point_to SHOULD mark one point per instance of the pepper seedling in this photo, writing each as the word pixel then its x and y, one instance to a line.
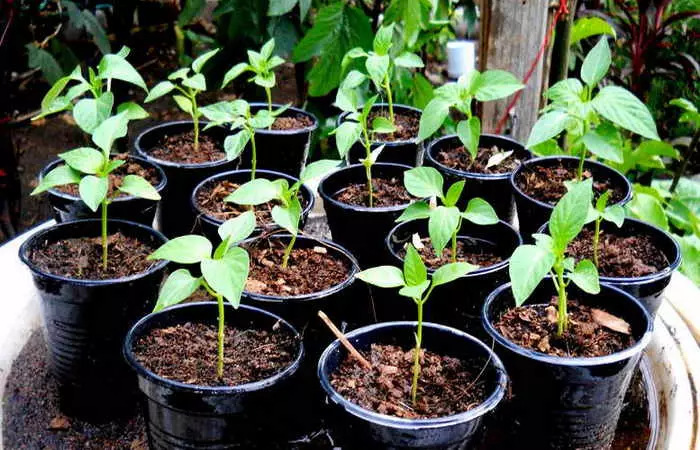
pixel 90 169
pixel 530 264
pixel 262 65
pixel 613 213
pixel 445 220
pixel 188 86
pixel 238 116
pixel 224 272
pixel 414 283
pixel 482 86
pixel 288 213
pixel 380 64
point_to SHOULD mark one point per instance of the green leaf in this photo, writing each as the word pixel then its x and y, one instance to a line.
pixel 469 132
pixel 423 182
pixel 133 111
pixel 84 159
pixel 585 276
pixel 50 69
pixel 178 287
pixel 529 264
pixel 93 190
pixel 159 90
pixel 196 82
pixel 188 249
pixel 570 213
pixel 382 125
pixel 266 80
pixel 224 281
pixel 615 214
pixel 413 15
pixel 109 131
pixel 139 187
pixel 383 39
pixel 89 113
pixel 235 144
pixel 221 113
pixel 442 225
pixel 434 115
pixel 622 108
pixel 255 192
pixel 179 74
pixel 658 148
pixel 602 201
pixel 318 169
pixel 452 271
pixel 690 251
pixel 496 84
pixel 408 60
pixel 414 292
pixel 589 26
pixel 118 68
pixel 453 193
pixel 648 209
pixel 603 145
pixel 238 228
pixel 377 67
pixel 48 102
pixel 565 92
pixel 417 210
pixel 234 72
pixel 414 271
pixel 191 10
pixel 262 119
pixel 549 125
pixel 99 36
pixel 549 147
pixel 59 176
pixel 596 63
pixel 288 218
pixel 184 104
pixel 280 7
pixel 480 212
pixel 198 63
pixel 383 276
pixel 353 79
pixel 346 135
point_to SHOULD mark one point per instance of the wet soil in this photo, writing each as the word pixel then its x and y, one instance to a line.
pixel 535 327
pixel 296 122
pixel 406 126
pixel 459 158
pixel 309 270
pixel 180 148
pixel 187 353
pixel 547 183
pixel 446 385
pixel 471 251
pixel 619 256
pixel 385 192
pixel 81 258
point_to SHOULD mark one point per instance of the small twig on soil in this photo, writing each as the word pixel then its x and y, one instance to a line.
pixel 343 340
pixel 483 369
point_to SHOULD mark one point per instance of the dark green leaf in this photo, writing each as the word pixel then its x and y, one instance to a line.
pixel 99 36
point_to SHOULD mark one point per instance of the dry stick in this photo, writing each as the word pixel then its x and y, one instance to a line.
pixel 343 340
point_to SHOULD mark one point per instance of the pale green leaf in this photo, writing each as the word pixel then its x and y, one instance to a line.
pixel 585 276
pixel 414 271
pixel 480 212
pixel 383 276
pixel 177 287
pixel 139 187
pixel 57 177
pixel 84 159
pixel 621 107
pixel 188 249
pixel 93 190
pixel 423 182
pixel 529 264
pixel 159 90
pixel 442 225
pixel 452 271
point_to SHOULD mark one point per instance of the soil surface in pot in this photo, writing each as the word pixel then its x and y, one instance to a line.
pixel 309 270
pixel 187 353
pixel 459 158
pixel 471 251
pixel 547 183
pixel 385 192
pixel 406 126
pixel 81 258
pixel 591 332
pixel 116 177
pixel 619 256
pixel 179 148
pixel 211 199
pixel 446 385
pixel 295 122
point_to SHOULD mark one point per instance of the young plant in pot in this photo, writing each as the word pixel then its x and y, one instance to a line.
pixel 186 153
pixel 483 161
pixel 474 235
pixel 91 102
pixel 569 343
pixel 590 116
pixel 399 123
pixel 94 279
pixel 291 129
pixel 403 397
pixel 367 196
pixel 209 370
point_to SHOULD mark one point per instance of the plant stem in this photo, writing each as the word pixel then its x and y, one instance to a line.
pixel 368 172
pixel 288 251
pixel 268 92
pixel 104 233
pixel 596 239
pixel 562 317
pixel 686 160
pixel 254 154
pixel 579 172
pixel 453 256
pixel 367 163
pixel 416 353
pixel 220 339
pixel 195 121
pixel 389 99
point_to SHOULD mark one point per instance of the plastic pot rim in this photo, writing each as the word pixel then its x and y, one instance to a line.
pixel 379 209
pixel 355 268
pixel 396 422
pixel 567 361
pixel 475 273
pixel 122 198
pixel 308 129
pixel 32 241
pixel 131 360
pixel 415 140
pixel 587 162
pixel 214 221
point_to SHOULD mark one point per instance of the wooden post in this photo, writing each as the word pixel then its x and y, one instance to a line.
pixel 512 32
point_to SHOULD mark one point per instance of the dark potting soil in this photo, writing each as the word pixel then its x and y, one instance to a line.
pixel 81 258
pixel 32 418
pixel 459 158
pixel 406 126
pixel 309 270
pixel 547 183
pixel 446 385
pixel 179 148
pixel 471 251
pixel 619 256
pixel 296 122
pixel 535 327
pixel 187 353
pixel 116 177
pixel 385 192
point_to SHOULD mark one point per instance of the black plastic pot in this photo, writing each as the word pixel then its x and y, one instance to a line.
pixel 85 321
pixel 409 152
pixel 532 213
pixel 457 304
pixel 176 215
pixel 281 150
pixel 70 207
pixel 570 403
pixel 494 188
pixel 186 416
pixel 648 289
pixel 360 229
pixel 363 428
pixel 209 225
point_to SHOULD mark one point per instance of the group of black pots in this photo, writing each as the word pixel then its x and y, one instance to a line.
pixel 92 324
